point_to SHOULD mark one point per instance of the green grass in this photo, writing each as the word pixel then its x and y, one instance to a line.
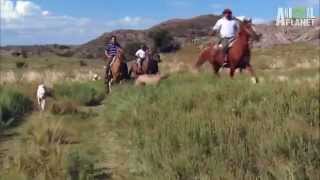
pixel 13 105
pixel 205 128
pixel 88 94
pixel 48 62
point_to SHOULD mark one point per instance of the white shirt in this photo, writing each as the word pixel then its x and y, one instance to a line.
pixel 141 54
pixel 227 28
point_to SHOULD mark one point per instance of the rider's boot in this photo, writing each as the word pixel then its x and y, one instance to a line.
pixel 225 62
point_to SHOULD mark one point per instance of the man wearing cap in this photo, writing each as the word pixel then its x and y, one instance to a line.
pixel 227 27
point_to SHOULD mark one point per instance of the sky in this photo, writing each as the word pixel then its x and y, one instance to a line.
pixel 26 22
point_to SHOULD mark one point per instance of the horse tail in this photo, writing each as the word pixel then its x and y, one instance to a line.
pixel 127 73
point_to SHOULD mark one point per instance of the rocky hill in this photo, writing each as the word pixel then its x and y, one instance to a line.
pixel 181 29
pixel 184 30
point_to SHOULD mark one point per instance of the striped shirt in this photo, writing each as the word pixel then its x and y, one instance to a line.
pixel 111 49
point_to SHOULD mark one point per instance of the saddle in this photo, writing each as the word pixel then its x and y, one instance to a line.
pixel 220 45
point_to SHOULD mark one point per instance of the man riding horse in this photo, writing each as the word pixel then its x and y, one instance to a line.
pixel 141 55
pixel 110 52
pixel 227 27
pixel 240 32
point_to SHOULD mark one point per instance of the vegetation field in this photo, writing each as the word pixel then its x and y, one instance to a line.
pixel 192 126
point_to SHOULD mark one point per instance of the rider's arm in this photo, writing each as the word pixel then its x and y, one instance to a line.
pixel 106 50
pixel 137 53
pixel 216 28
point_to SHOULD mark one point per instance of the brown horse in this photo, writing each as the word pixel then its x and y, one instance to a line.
pixel 238 55
pixel 149 66
pixel 118 70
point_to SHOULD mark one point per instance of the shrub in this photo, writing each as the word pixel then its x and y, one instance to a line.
pixel 83 63
pixel 88 94
pixel 13 105
pixel 21 64
pixel 130 50
pixel 163 41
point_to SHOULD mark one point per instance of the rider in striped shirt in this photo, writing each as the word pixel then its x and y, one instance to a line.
pixel 111 51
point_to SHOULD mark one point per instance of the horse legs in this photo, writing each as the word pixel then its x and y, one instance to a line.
pixel 216 67
pixel 109 85
pixel 254 77
pixel 232 71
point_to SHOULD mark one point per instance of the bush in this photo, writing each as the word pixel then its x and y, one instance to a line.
pixel 13 105
pixel 21 64
pixel 82 63
pixel 130 50
pixel 163 41
pixel 88 94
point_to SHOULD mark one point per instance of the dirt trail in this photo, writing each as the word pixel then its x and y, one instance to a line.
pixel 116 154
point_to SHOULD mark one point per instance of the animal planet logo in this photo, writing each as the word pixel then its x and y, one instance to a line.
pixel 298 16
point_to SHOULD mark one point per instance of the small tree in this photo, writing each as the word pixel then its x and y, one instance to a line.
pixel 163 40
pixel 130 50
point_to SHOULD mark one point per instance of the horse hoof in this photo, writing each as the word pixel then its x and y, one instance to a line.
pixel 254 80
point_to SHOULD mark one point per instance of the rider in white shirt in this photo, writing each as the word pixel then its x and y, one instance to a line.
pixel 227 27
pixel 141 55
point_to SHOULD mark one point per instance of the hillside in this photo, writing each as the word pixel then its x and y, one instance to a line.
pixel 179 28
pixel 184 30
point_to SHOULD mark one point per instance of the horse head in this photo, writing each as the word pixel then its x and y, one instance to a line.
pixel 247 29
pixel 120 55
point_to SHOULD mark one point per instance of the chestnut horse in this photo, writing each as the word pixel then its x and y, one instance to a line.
pixel 149 66
pixel 118 70
pixel 238 55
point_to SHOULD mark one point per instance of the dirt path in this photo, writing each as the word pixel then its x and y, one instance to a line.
pixel 116 154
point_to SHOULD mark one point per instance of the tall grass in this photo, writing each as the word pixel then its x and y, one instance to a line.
pixel 45 154
pixel 13 104
pixel 203 128
pixel 84 93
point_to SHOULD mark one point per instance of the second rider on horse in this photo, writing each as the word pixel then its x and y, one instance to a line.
pixel 227 27
pixel 141 55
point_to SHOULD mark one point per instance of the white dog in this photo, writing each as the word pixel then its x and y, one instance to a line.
pixel 41 96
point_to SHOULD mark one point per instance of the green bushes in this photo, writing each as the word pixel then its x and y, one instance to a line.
pixel 163 41
pixel 13 105
pixel 21 64
pixel 203 128
pixel 130 50
pixel 87 94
